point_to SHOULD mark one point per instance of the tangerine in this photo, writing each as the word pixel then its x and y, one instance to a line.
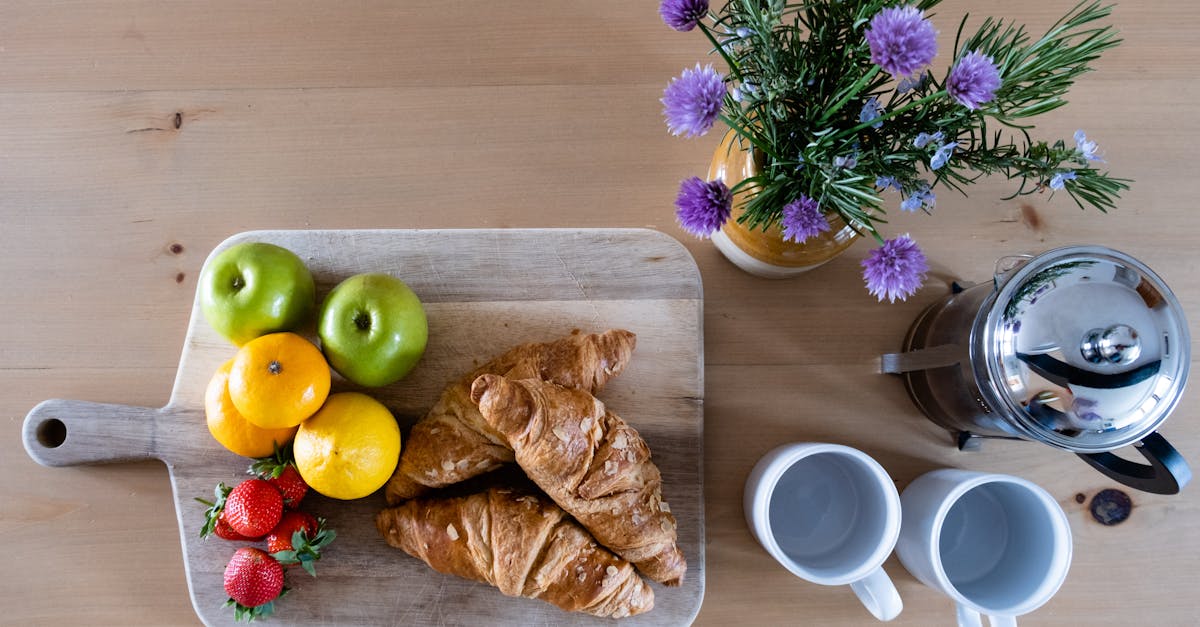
pixel 230 428
pixel 278 380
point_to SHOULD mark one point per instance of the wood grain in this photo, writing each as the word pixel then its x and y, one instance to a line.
pixel 341 115
pixel 484 291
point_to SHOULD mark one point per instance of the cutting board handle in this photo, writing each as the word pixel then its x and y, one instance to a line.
pixel 66 433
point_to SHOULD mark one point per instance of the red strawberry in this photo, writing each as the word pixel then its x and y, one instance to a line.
pixel 253 580
pixel 298 539
pixel 215 517
pixel 280 470
pixel 223 530
pixel 253 508
pixel 280 538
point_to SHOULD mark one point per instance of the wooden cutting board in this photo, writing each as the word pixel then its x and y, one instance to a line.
pixel 484 291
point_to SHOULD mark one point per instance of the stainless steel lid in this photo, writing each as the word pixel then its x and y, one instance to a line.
pixel 1085 347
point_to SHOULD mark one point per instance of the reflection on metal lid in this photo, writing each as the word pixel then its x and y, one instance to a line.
pixel 1081 338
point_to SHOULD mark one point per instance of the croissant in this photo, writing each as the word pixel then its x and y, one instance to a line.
pixel 592 463
pixel 453 443
pixel 520 543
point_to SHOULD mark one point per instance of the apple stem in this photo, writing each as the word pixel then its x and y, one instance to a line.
pixel 362 321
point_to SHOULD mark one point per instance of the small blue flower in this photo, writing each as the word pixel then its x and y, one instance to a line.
pixel 924 138
pixel 845 162
pixel 909 83
pixel 871 110
pixel 750 88
pixel 1058 180
pixel 1087 149
pixel 923 196
pixel 736 94
pixel 887 182
pixel 942 155
pixel 743 32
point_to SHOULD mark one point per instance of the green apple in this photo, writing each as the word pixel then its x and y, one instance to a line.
pixel 373 329
pixel 254 288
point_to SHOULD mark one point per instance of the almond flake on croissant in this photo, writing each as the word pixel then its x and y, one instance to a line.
pixel 453 443
pixel 520 543
pixel 592 463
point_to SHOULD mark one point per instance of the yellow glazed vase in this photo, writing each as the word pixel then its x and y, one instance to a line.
pixel 764 252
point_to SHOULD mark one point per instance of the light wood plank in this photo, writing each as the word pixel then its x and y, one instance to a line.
pixel 329 114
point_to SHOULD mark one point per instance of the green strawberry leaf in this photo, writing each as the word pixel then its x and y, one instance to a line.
pixel 241 613
pixel 307 550
pixel 272 466
pixel 213 513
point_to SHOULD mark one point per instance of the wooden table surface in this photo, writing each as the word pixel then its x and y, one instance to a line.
pixel 135 136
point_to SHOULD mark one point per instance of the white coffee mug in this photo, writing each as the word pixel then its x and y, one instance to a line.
pixel 997 545
pixel 829 514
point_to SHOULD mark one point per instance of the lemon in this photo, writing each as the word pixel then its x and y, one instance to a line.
pixel 349 448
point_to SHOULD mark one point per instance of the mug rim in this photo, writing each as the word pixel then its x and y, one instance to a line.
pixel 1049 586
pixel 783 458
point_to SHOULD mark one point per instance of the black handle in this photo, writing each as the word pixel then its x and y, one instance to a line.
pixel 1167 472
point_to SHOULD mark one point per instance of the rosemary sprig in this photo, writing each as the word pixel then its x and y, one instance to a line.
pixel 802 73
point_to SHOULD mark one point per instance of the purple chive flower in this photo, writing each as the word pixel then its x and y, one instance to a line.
pixel 683 15
pixel 1087 149
pixel 942 155
pixel 895 270
pixel 702 207
pixel 692 101
pixel 923 196
pixel 1058 180
pixel 973 81
pixel 802 219
pixel 871 110
pixel 923 139
pixel 902 41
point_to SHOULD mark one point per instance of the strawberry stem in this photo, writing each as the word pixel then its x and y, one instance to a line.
pixel 213 513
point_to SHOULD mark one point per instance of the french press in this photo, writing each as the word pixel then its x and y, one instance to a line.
pixel 1082 348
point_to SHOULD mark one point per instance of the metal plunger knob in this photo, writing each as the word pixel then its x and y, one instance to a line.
pixel 1118 344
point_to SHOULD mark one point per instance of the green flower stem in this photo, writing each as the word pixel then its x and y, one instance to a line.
pixel 721 51
pixel 850 93
pixel 891 114
pixel 742 132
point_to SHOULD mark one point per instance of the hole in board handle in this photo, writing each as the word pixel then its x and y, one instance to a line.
pixel 52 433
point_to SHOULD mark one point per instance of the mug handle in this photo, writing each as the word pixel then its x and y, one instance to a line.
pixel 878 594
pixel 968 617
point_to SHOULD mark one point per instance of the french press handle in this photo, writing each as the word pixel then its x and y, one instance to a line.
pixel 1166 473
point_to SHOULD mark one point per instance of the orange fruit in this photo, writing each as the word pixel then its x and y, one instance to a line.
pixel 350 448
pixel 278 380
pixel 232 429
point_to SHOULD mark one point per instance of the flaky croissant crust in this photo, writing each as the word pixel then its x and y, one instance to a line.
pixel 453 442
pixel 523 544
pixel 592 463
